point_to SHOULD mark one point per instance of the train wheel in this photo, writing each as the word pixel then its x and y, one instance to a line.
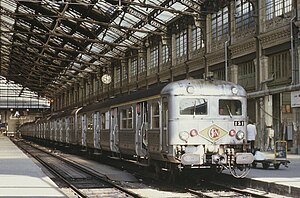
pixel 276 166
pixel 158 172
pixel 265 165
pixel 173 174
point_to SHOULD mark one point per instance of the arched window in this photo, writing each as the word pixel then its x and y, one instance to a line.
pixel 197 38
pixel 153 59
pixel 165 54
pixel 243 14
pixel 181 44
pixel 275 8
pixel 219 24
pixel 133 69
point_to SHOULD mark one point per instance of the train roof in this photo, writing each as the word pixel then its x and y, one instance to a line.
pixel 64 113
pixel 204 87
pixel 154 90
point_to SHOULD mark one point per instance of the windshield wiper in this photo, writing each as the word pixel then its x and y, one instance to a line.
pixel 229 111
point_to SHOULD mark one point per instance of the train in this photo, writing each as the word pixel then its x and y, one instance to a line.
pixel 186 124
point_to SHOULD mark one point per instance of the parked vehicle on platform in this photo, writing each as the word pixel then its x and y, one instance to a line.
pixel 188 124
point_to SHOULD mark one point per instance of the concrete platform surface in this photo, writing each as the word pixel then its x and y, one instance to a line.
pixel 284 181
pixel 20 176
pixel 285 176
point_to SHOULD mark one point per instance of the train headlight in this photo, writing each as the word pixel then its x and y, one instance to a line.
pixel 240 135
pixel 234 90
pixel 190 89
pixel 184 135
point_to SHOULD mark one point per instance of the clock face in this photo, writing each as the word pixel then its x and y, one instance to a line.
pixel 106 79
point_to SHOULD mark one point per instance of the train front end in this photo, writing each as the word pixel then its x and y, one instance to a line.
pixel 207 126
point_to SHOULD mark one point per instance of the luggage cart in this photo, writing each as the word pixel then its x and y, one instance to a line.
pixel 280 152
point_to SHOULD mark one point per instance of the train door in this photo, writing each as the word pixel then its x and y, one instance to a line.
pixel 61 128
pixel 165 129
pixel 96 126
pixel 68 130
pixel 77 127
pixel 45 129
pixel 78 130
pixel 141 136
pixel 114 131
pixel 56 129
pixel 84 129
pixel 51 130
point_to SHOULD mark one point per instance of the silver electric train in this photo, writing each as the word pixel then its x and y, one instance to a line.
pixel 188 124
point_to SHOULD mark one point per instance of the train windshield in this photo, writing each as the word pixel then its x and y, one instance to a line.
pixel 193 106
pixel 230 107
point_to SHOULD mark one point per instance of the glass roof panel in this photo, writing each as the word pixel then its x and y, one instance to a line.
pixel 25 9
pixel 132 19
pixel 95 48
pixel 126 20
pixel 8 5
pixel 105 7
pixel 148 27
pixel 140 34
pixel 53 5
pixel 86 57
pixel 166 16
pixel 78 35
pixel 76 65
pixel 65 28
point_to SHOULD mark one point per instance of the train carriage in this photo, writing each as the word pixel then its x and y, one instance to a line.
pixel 187 124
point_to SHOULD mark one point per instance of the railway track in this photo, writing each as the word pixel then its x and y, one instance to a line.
pixel 210 189
pixel 83 182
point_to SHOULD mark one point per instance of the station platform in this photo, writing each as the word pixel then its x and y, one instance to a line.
pixel 284 181
pixel 21 177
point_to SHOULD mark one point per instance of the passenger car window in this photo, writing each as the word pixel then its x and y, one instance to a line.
pixel 193 106
pixel 155 115
pixel 126 117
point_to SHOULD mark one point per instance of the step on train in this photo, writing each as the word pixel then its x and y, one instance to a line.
pixel 187 124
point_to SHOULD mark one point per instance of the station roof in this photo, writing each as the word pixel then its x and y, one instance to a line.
pixel 47 45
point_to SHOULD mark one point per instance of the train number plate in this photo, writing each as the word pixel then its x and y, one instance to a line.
pixel 239 123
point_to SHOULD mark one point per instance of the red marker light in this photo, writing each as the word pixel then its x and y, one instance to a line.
pixel 232 132
pixel 193 132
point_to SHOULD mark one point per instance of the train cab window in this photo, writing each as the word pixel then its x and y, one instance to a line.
pixel 126 118
pixel 193 106
pixel 155 115
pixel 230 107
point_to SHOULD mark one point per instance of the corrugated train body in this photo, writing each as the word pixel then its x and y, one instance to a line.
pixel 180 125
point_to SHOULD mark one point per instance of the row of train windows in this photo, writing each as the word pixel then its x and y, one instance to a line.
pixel 126 117
pixel 187 106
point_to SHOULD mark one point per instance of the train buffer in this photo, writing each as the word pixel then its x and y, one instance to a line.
pixel 280 157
